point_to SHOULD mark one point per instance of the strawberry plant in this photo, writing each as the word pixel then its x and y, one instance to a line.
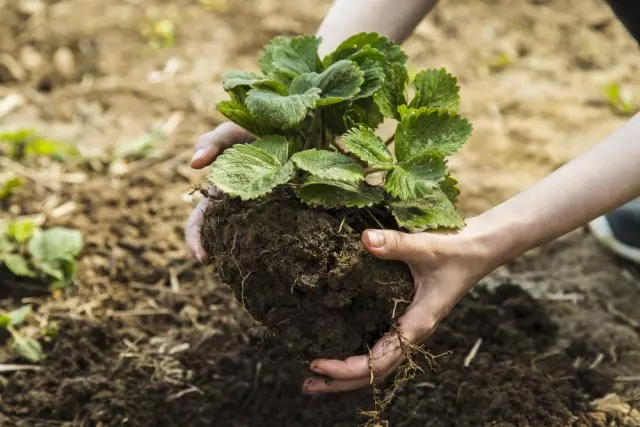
pixel 26 348
pixel 314 121
pixel 48 255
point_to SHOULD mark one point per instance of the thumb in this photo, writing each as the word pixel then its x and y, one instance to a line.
pixel 391 244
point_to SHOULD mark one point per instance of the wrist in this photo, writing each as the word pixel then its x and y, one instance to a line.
pixel 493 242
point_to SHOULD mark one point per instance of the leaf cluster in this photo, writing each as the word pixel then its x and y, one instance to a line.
pixel 48 255
pixel 26 348
pixel 26 142
pixel 314 121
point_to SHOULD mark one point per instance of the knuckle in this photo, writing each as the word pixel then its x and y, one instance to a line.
pixel 204 140
pixel 380 371
pixel 396 239
pixel 425 328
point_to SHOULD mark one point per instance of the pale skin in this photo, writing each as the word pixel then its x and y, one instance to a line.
pixel 446 266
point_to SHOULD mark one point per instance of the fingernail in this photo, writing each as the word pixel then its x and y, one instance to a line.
pixel 199 155
pixel 315 368
pixel 306 387
pixel 376 238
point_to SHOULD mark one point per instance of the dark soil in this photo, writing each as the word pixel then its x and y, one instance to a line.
pixel 303 273
pixel 92 377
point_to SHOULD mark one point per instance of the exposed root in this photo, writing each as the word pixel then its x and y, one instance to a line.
pixel 472 353
pixel 407 371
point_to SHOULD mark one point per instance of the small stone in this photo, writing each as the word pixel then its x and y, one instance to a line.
pixel 31 59
pixel 64 62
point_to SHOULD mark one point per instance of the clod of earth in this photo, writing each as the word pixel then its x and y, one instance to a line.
pixel 290 248
pixel 304 273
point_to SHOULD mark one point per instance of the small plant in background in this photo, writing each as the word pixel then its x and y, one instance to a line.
pixel 315 122
pixel 620 100
pixel 158 31
pixel 26 348
pixel 24 143
pixel 9 185
pixel 47 255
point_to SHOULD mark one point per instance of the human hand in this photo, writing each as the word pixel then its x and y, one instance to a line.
pixel 209 146
pixel 444 268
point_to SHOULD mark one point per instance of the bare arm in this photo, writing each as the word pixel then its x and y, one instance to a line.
pixel 395 19
pixel 593 184
pixel 445 267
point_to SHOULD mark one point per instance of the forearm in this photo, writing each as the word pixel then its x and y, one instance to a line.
pixel 395 19
pixel 593 184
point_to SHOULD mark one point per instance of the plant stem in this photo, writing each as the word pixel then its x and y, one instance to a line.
pixel 310 135
pixel 321 129
pixel 389 140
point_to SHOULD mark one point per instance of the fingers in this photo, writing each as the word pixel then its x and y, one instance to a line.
pixel 353 367
pixel 387 354
pixel 193 233
pixel 316 385
pixel 356 372
pixel 391 244
pixel 209 145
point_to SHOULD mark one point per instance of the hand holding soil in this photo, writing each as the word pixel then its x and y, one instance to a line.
pixel 444 267
pixel 207 147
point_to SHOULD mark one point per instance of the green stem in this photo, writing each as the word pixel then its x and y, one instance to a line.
pixel 15 334
pixel 310 134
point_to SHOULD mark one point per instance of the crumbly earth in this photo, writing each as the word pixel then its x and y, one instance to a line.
pixel 304 274
pixel 147 337
pixel 228 380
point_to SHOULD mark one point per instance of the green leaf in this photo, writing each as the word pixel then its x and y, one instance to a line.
pixel 242 79
pixel 357 42
pixel 279 146
pixel 17 316
pixel 248 171
pixel 57 243
pixel 282 112
pixel 6 245
pixel 428 130
pixel 21 230
pixel 362 112
pixel 367 53
pixel 55 149
pixel 286 58
pixel 28 349
pixel 16 264
pixel 436 88
pixel 368 147
pixel 332 194
pixel 416 177
pixel 303 83
pixel 49 268
pixel 329 165
pixel 240 115
pixel 432 211
pixel 5 321
pixel 449 186
pixel 392 93
pixel 374 77
pixel 8 187
pixel 339 82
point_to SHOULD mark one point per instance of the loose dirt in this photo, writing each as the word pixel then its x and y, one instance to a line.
pixel 148 338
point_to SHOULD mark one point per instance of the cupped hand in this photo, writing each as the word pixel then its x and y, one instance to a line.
pixel 209 146
pixel 444 268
